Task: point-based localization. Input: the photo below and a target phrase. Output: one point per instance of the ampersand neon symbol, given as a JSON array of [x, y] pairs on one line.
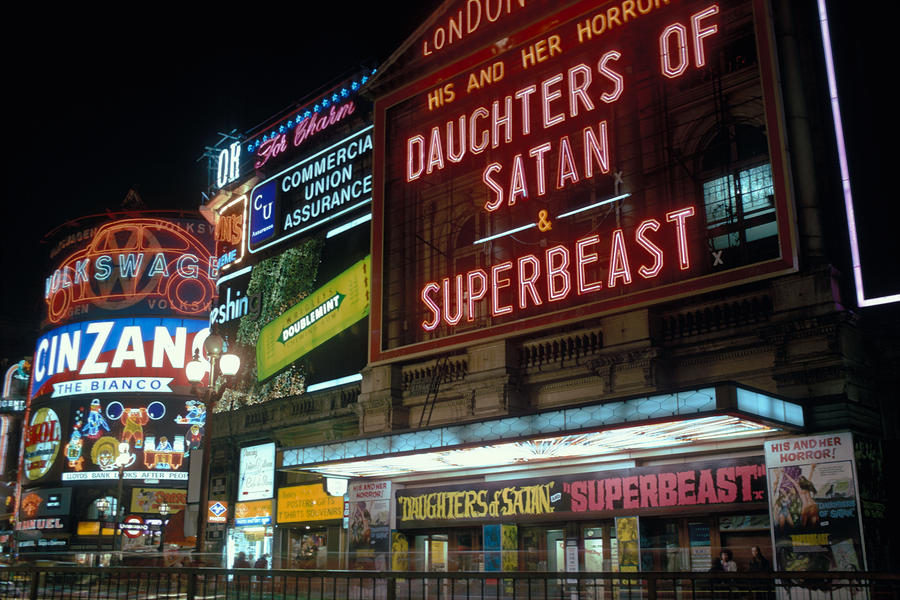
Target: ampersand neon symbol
[[544, 223]]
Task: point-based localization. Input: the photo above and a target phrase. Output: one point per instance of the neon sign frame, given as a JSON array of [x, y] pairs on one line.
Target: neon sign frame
[[434, 160]]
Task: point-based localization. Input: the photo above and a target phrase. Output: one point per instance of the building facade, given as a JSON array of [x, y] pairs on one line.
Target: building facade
[[112, 422], [607, 331]]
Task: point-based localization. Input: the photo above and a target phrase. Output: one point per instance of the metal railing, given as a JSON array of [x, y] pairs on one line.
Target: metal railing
[[156, 583]]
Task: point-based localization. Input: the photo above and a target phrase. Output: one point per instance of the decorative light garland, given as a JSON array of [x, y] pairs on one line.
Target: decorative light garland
[[323, 103]]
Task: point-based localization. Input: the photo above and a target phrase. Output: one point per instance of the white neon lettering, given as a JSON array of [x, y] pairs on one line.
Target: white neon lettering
[[618, 260], [485, 137], [702, 32], [578, 90], [538, 153], [616, 78], [435, 154], [595, 149], [547, 96], [431, 287], [448, 318], [473, 295], [498, 121], [498, 283], [665, 52], [566, 169], [130, 347], [189, 272], [678, 217], [419, 142], [451, 155], [163, 344], [558, 271], [650, 247], [498, 189], [517, 185], [524, 96], [102, 330], [526, 282], [584, 258]]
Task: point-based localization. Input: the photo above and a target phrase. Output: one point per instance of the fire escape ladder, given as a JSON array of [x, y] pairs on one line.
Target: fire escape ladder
[[440, 371]]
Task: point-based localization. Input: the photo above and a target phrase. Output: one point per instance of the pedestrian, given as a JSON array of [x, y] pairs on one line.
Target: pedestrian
[[763, 589], [241, 562], [728, 564], [758, 562], [262, 562]]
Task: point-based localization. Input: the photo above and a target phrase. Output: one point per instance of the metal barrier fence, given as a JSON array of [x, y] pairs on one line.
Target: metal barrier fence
[[156, 583]]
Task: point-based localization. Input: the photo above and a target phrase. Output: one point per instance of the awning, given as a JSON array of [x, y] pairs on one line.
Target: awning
[[680, 419]]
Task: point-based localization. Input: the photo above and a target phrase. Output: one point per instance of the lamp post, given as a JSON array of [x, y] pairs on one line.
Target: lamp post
[[102, 505], [228, 364], [123, 459], [163, 513]]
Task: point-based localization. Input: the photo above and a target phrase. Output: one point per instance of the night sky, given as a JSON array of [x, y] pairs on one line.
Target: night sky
[[100, 107], [103, 108]]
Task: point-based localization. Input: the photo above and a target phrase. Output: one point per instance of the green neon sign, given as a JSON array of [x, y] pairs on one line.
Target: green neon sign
[[326, 312]]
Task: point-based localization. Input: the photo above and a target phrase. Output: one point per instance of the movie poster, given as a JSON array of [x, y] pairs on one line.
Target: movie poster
[[814, 504]]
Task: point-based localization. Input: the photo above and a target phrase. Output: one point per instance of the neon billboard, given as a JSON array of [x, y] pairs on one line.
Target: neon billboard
[[581, 166], [322, 187], [117, 356], [142, 265], [337, 305]]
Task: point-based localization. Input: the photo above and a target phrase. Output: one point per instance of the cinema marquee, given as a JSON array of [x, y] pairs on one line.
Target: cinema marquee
[[574, 168]]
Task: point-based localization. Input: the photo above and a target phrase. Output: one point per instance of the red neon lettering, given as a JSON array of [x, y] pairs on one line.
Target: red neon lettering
[[577, 495], [435, 154], [665, 51], [618, 260], [496, 285], [473, 295], [452, 156], [595, 150], [416, 141], [473, 147], [523, 96], [583, 258], [435, 310], [517, 186], [678, 216], [650, 247], [578, 89], [559, 271], [617, 79], [702, 32], [448, 318], [526, 282], [566, 164], [498, 121], [538, 153], [498, 189], [547, 96]]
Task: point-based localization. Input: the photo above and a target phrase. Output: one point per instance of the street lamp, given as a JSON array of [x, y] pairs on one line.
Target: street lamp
[[215, 348], [102, 505], [163, 513]]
